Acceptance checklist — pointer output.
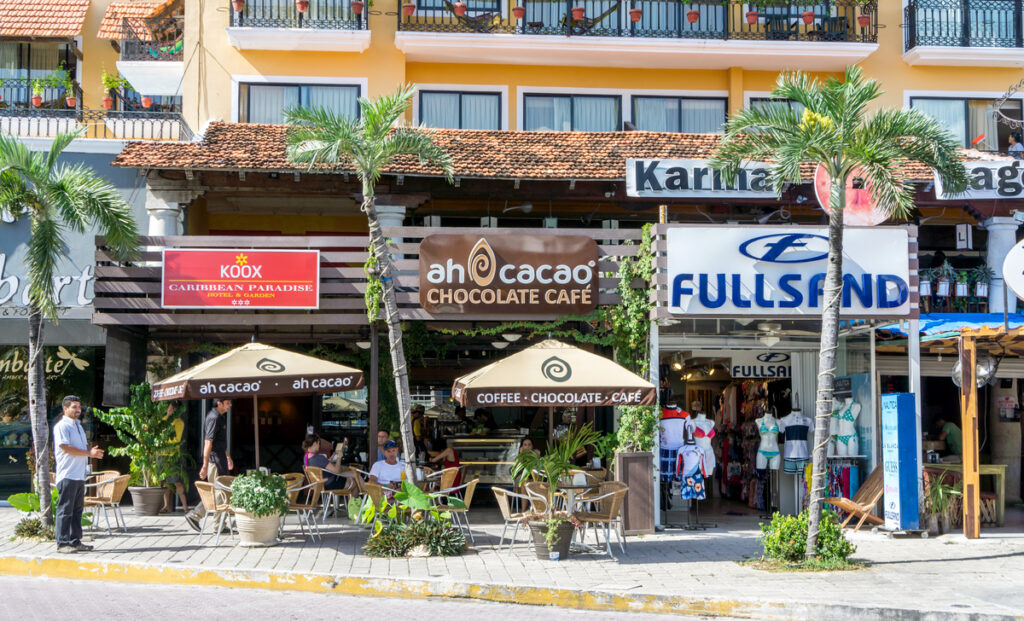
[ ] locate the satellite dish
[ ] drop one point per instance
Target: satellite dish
(985, 369)
(861, 209)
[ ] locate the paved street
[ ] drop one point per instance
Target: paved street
(45, 599)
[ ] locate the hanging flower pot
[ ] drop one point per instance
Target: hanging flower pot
(636, 14)
(942, 288)
(808, 17)
(108, 103)
(71, 101)
(147, 102)
(864, 20)
(460, 8)
(408, 8)
(357, 7)
(37, 100)
(238, 5)
(981, 290)
(961, 290)
(692, 16)
(301, 5)
(519, 12)
(578, 12)
(925, 288)
(752, 17)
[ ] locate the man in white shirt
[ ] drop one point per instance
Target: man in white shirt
(388, 471)
(72, 463)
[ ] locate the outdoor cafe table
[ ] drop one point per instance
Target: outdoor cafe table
(571, 491)
(996, 470)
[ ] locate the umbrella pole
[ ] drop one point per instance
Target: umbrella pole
(551, 423)
(256, 427)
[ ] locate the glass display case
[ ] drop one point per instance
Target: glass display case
(488, 459)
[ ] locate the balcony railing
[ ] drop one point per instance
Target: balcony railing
(16, 95)
(963, 23)
(153, 38)
(836, 20)
(37, 123)
(321, 14)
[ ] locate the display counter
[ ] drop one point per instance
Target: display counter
(487, 458)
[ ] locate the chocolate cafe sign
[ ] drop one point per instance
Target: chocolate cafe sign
(508, 274)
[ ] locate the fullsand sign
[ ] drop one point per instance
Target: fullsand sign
(695, 178)
(505, 274)
(999, 179)
(780, 271)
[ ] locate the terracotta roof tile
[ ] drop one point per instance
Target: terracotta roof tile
(42, 18)
(475, 153)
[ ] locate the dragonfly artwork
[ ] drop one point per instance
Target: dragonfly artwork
(72, 358)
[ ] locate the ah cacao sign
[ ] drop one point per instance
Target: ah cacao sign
(506, 274)
(271, 279)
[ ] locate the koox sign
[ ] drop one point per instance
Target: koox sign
(780, 270)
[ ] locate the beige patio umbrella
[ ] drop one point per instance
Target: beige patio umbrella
(553, 374)
(255, 370)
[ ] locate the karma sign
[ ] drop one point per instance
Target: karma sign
(276, 279)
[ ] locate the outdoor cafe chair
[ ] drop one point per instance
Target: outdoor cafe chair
(330, 497)
(443, 479)
(459, 514)
(305, 510)
(109, 492)
(607, 515)
(221, 512)
(501, 495)
(537, 493)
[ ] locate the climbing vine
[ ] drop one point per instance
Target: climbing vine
(374, 287)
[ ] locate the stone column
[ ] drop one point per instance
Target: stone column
(1002, 236)
(165, 203)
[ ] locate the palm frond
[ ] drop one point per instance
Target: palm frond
(78, 190)
(379, 115)
(45, 246)
(419, 143)
(16, 157)
(15, 196)
(60, 142)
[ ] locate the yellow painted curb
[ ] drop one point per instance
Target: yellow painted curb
(380, 587)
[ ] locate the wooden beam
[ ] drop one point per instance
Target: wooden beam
(969, 429)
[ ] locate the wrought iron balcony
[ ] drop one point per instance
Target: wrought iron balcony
(320, 15)
(109, 124)
(825, 21)
(153, 38)
(16, 96)
(963, 23)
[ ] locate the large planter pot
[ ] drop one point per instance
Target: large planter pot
(147, 500)
(636, 470)
(256, 532)
(538, 529)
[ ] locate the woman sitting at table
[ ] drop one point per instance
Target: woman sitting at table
(334, 476)
(526, 446)
(448, 457)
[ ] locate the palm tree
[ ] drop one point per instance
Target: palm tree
(370, 144)
(837, 132)
(58, 198)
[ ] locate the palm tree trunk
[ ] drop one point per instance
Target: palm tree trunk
(37, 412)
(826, 360)
(391, 318)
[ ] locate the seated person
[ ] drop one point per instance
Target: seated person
(334, 475)
(388, 471)
(382, 439)
(484, 421)
(954, 440)
(526, 445)
(448, 457)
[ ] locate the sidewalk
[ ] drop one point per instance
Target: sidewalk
(690, 572)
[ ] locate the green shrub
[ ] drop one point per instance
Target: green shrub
(33, 527)
(396, 539)
(260, 494)
(785, 538)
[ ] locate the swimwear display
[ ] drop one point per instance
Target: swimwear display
(673, 427)
(796, 429)
(690, 469)
(703, 432)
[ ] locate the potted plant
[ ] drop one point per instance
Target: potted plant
(808, 17)
(636, 15)
(963, 278)
(408, 8)
(634, 466)
(552, 530)
(944, 275)
(459, 8)
(301, 5)
(258, 501)
(519, 11)
(38, 86)
(357, 6)
(147, 102)
(753, 16)
(578, 13)
(864, 19)
(238, 5)
(939, 504)
(604, 449)
(692, 16)
(69, 92)
(111, 82)
(925, 287)
(146, 430)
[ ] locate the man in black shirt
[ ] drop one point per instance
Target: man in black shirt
(216, 458)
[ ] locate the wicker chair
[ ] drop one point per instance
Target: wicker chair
(501, 495)
(330, 498)
(221, 511)
(109, 492)
(607, 515)
(305, 509)
(460, 514)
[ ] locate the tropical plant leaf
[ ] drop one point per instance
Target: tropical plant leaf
(25, 502)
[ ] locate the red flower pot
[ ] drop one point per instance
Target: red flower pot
(864, 20)
(108, 103)
(147, 102)
(460, 8)
(636, 14)
(519, 12)
(357, 7)
(752, 17)
(408, 8)
(37, 100)
(238, 5)
(692, 16)
(578, 12)
(71, 101)
(808, 17)
(301, 5)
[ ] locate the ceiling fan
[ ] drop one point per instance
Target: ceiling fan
(984, 367)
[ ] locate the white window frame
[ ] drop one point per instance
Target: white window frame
(300, 80)
(626, 96)
(501, 90)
